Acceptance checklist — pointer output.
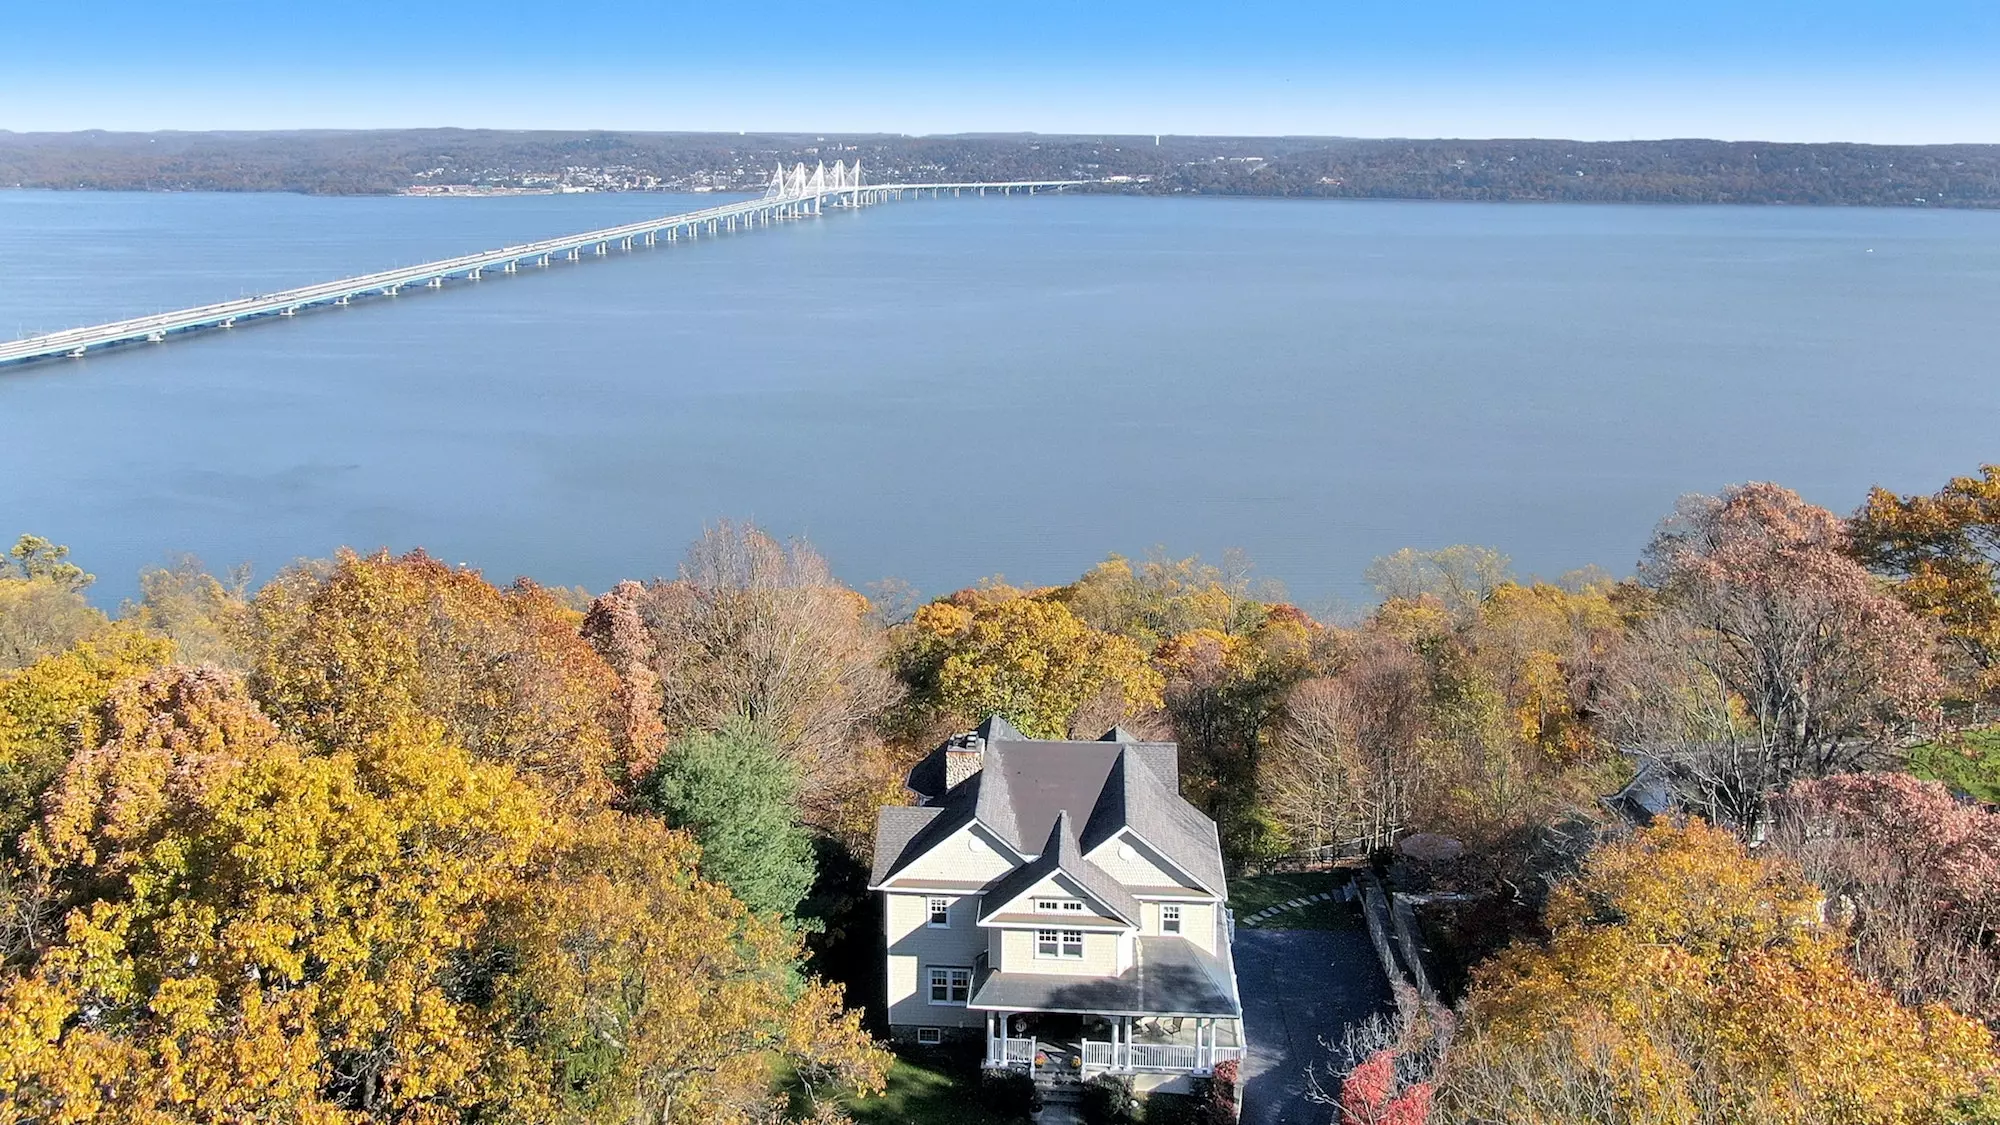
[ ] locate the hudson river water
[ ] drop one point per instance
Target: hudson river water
(944, 390)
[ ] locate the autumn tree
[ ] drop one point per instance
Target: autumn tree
(1165, 597)
(1771, 655)
(348, 651)
(42, 607)
(49, 712)
(256, 932)
(1460, 577)
(1942, 552)
(735, 791)
(1351, 751)
(1915, 876)
(255, 929)
(758, 628)
(207, 617)
(616, 629)
(653, 998)
(1683, 981)
(1029, 658)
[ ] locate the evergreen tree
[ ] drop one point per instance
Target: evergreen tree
(735, 792)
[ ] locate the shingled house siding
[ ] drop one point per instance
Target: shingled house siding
(1100, 955)
(954, 862)
(1146, 868)
(914, 946)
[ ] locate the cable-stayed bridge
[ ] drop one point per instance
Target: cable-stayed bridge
(793, 194)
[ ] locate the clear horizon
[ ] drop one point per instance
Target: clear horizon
(1767, 70)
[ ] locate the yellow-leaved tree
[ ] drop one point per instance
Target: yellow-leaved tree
(257, 929)
(1026, 657)
(347, 651)
(1686, 982)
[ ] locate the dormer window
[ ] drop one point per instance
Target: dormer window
(1170, 919)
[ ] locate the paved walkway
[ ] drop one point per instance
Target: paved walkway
(1300, 987)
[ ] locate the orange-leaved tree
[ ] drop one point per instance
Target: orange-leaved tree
(1942, 551)
(1685, 981)
(350, 649)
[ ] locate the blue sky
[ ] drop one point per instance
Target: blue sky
(1749, 69)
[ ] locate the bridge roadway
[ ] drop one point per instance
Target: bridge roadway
(744, 214)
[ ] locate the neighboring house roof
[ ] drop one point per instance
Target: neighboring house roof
(1647, 796)
(1063, 854)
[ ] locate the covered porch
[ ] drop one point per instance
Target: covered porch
(1078, 1045)
(1175, 1012)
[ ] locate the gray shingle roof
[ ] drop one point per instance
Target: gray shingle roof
(1172, 977)
(902, 833)
(1135, 796)
(1025, 785)
(1062, 853)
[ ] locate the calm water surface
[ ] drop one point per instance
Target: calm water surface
(944, 390)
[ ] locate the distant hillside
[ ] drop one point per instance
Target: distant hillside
(1682, 171)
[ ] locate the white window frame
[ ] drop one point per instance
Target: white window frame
(952, 980)
(1058, 906)
(930, 1036)
(934, 907)
(1063, 945)
(1072, 939)
(1170, 918)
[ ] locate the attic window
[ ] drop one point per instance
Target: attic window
(1058, 905)
(1170, 919)
(940, 910)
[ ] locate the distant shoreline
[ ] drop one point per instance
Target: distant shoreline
(457, 162)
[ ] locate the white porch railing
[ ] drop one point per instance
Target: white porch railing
(1163, 1056)
(1173, 1058)
(1015, 1052)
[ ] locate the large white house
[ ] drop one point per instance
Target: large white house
(1058, 899)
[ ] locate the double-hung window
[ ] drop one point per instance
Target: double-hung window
(940, 910)
(1170, 919)
(1058, 943)
(949, 985)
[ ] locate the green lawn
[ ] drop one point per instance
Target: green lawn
(1252, 893)
(1970, 762)
(925, 1088)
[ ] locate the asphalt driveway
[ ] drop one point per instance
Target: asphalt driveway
(1299, 987)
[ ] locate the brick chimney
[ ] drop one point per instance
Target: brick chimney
(964, 756)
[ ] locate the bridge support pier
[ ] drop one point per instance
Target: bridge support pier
(474, 275)
(435, 283)
(340, 302)
(511, 267)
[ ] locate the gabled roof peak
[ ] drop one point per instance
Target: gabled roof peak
(997, 729)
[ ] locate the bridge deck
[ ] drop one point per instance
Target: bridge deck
(225, 314)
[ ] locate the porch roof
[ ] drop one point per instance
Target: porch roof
(1171, 977)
